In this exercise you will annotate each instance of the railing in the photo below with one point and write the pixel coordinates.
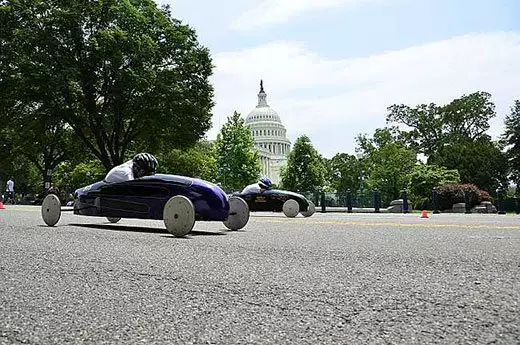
(361, 199)
(374, 203)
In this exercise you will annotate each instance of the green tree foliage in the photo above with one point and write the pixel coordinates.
(237, 161)
(433, 126)
(468, 117)
(480, 162)
(345, 172)
(41, 138)
(196, 161)
(387, 161)
(69, 176)
(7, 152)
(305, 170)
(25, 175)
(511, 140)
(44, 142)
(119, 73)
(424, 178)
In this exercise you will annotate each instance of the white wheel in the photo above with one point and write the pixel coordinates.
(179, 215)
(310, 210)
(238, 213)
(51, 210)
(114, 219)
(291, 208)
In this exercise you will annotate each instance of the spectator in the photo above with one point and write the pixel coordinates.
(10, 190)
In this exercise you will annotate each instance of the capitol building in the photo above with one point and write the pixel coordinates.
(270, 137)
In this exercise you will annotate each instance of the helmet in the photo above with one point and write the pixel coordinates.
(145, 163)
(53, 190)
(265, 182)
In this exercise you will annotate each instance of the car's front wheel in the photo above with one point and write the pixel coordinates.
(51, 210)
(179, 215)
(238, 213)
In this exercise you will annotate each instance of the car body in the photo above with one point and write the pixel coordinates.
(273, 200)
(146, 198)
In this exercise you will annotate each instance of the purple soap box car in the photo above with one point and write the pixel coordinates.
(177, 200)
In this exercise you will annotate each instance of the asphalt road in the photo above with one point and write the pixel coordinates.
(329, 279)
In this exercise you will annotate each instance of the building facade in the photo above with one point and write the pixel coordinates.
(270, 137)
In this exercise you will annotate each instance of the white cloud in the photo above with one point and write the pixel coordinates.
(278, 11)
(334, 100)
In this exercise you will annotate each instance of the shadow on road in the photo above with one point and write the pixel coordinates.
(112, 227)
(269, 215)
(196, 233)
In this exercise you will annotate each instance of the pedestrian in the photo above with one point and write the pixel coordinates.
(10, 190)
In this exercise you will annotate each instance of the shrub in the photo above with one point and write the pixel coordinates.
(422, 204)
(452, 193)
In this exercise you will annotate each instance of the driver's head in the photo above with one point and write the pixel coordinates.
(265, 183)
(145, 164)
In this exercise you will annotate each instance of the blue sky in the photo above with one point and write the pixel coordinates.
(331, 67)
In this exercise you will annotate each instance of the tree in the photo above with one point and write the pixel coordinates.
(391, 166)
(69, 176)
(426, 123)
(27, 178)
(345, 173)
(119, 73)
(237, 161)
(434, 126)
(387, 161)
(305, 170)
(424, 178)
(44, 141)
(480, 162)
(468, 117)
(196, 161)
(381, 137)
(7, 153)
(511, 140)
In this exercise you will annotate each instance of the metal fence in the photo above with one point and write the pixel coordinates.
(360, 199)
(374, 201)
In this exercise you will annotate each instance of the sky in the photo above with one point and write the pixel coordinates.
(331, 68)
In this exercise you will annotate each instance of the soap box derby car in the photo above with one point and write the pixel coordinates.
(276, 200)
(177, 200)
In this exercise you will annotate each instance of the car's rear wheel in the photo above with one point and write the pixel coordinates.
(179, 215)
(291, 208)
(238, 213)
(51, 210)
(310, 210)
(114, 219)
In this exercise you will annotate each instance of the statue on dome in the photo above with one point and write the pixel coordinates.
(261, 85)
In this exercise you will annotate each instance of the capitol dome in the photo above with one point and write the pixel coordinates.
(262, 112)
(270, 136)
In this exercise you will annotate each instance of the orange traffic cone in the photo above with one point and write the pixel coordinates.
(2, 206)
(424, 214)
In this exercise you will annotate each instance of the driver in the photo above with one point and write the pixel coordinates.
(261, 186)
(143, 164)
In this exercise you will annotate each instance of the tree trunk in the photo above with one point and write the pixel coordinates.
(47, 178)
